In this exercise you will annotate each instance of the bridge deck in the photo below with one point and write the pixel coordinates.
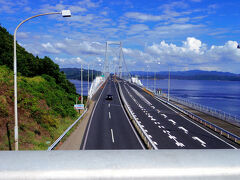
(166, 127)
(219, 122)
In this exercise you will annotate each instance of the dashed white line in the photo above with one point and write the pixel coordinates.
(109, 114)
(109, 105)
(112, 136)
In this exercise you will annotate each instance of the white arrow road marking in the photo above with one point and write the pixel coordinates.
(164, 115)
(185, 131)
(173, 122)
(112, 136)
(201, 141)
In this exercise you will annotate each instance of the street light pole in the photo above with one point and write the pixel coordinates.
(88, 79)
(168, 83)
(154, 81)
(65, 13)
(92, 75)
(81, 85)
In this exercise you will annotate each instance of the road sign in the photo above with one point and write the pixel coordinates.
(79, 106)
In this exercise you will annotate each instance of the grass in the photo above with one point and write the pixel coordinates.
(45, 110)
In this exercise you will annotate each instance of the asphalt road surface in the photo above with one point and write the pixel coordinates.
(109, 126)
(166, 127)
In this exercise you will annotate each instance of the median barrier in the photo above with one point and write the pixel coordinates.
(146, 139)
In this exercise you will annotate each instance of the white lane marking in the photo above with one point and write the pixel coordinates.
(172, 137)
(166, 132)
(86, 137)
(140, 142)
(201, 141)
(197, 125)
(153, 107)
(164, 115)
(155, 143)
(180, 144)
(150, 136)
(173, 122)
(112, 136)
(109, 114)
(109, 105)
(185, 131)
(160, 127)
(153, 119)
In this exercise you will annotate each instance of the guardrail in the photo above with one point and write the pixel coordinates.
(65, 132)
(208, 110)
(147, 140)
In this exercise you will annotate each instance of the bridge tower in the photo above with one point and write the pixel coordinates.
(120, 61)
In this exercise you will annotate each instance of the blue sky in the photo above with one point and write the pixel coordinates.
(182, 35)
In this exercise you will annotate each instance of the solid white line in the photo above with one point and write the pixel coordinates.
(197, 125)
(112, 136)
(140, 142)
(109, 114)
(85, 141)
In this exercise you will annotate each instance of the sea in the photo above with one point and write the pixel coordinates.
(221, 95)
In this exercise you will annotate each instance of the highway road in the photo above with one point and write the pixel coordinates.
(109, 126)
(166, 127)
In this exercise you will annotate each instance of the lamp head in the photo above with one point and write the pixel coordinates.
(66, 13)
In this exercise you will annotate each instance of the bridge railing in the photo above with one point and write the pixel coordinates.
(147, 140)
(208, 110)
(96, 84)
(125, 164)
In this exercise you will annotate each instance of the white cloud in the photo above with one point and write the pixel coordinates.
(194, 52)
(137, 28)
(49, 48)
(143, 17)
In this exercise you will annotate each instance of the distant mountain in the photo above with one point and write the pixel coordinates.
(190, 75)
(75, 73)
